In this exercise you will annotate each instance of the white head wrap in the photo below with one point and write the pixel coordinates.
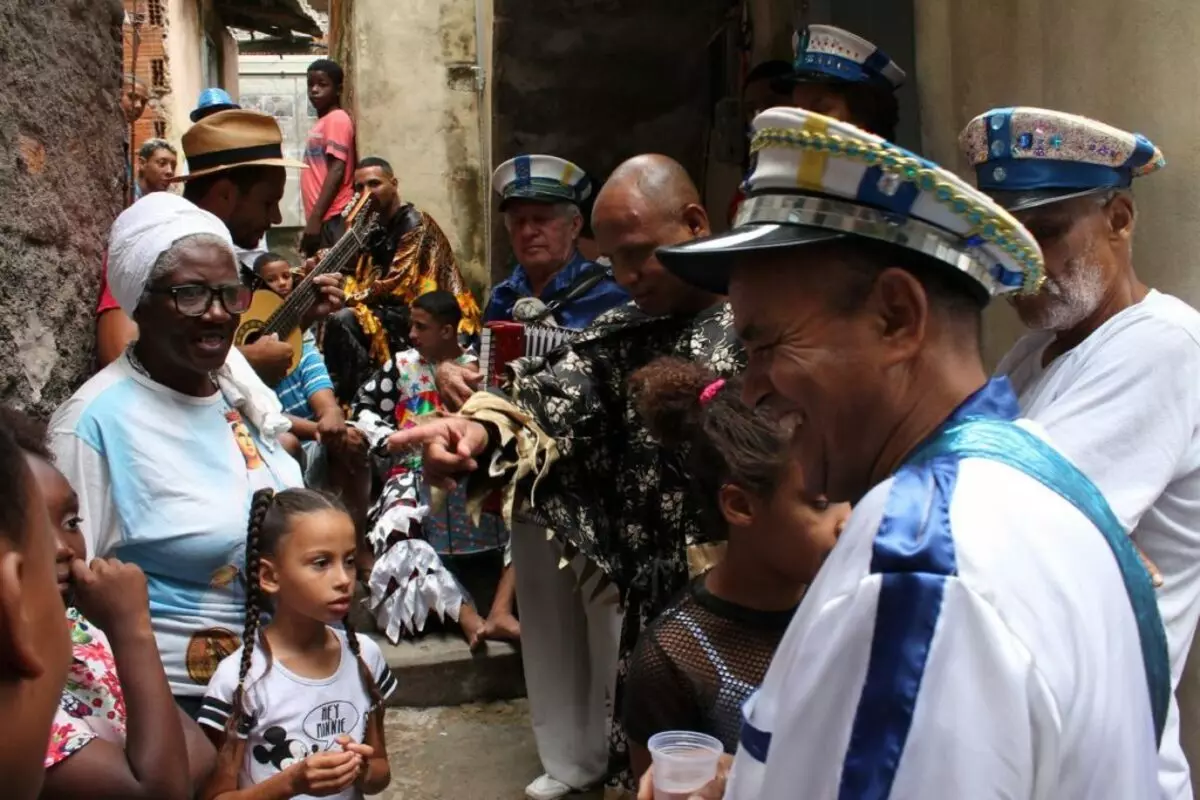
(145, 231)
(141, 234)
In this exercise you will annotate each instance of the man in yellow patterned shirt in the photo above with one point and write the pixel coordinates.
(405, 258)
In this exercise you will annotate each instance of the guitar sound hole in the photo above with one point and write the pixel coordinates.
(249, 333)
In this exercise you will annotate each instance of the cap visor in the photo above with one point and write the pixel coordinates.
(534, 196)
(706, 263)
(260, 162)
(1034, 198)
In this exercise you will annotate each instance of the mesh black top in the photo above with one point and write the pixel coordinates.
(697, 664)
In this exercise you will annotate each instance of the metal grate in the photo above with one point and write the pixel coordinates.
(154, 11)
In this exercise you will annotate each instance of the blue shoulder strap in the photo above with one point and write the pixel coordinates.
(1002, 441)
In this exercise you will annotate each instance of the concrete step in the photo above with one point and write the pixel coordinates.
(440, 670)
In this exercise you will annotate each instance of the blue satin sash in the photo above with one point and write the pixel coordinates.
(983, 428)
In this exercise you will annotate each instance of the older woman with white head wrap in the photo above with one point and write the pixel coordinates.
(166, 445)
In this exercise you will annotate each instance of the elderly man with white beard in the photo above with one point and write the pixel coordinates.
(1111, 367)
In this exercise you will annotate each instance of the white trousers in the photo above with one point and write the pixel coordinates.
(569, 650)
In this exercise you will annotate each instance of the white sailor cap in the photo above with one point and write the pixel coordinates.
(823, 52)
(546, 179)
(815, 179)
(1028, 157)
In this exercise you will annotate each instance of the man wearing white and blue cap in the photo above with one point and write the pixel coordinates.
(983, 627)
(1111, 367)
(842, 75)
(540, 199)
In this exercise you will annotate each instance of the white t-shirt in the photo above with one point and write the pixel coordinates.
(969, 636)
(294, 717)
(1124, 406)
(165, 482)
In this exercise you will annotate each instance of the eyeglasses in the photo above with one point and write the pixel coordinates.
(194, 299)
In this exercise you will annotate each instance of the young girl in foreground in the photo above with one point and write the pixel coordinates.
(298, 710)
(700, 660)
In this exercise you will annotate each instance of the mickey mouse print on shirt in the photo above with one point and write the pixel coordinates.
(292, 717)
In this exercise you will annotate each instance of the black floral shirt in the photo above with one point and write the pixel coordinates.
(614, 493)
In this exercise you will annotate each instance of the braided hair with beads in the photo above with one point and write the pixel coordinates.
(271, 515)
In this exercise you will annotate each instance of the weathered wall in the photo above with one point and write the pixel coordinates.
(417, 104)
(61, 167)
(598, 81)
(1115, 61)
(182, 44)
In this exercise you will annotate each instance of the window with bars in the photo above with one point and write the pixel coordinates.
(160, 129)
(158, 73)
(154, 10)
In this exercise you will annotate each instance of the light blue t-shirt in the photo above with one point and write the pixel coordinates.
(165, 481)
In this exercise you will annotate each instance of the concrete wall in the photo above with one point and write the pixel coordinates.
(417, 103)
(598, 81)
(1115, 61)
(182, 44)
(61, 162)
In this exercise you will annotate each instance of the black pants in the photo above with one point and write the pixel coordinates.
(348, 349)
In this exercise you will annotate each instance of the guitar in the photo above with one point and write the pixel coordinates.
(271, 314)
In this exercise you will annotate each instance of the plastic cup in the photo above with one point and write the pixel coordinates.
(684, 763)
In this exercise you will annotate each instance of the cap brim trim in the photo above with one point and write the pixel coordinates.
(1014, 201)
(538, 194)
(259, 162)
(706, 263)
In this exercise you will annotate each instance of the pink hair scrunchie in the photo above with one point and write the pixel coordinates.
(710, 391)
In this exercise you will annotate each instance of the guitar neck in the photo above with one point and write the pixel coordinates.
(287, 317)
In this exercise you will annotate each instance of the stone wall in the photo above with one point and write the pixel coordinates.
(598, 81)
(416, 102)
(61, 168)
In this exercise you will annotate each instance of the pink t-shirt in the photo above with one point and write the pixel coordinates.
(333, 135)
(107, 302)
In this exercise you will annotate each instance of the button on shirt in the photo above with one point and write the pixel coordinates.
(576, 314)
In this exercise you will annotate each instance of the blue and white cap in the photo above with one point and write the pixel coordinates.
(815, 179)
(1027, 157)
(545, 179)
(823, 52)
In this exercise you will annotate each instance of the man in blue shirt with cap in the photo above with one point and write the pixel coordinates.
(1111, 367)
(540, 199)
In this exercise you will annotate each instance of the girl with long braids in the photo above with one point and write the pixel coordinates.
(298, 710)
(699, 661)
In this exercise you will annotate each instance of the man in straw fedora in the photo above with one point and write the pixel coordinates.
(236, 170)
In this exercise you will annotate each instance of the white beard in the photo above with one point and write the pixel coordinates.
(1072, 298)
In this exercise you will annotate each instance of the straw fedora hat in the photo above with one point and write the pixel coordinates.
(234, 138)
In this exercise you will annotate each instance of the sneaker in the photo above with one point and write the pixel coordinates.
(547, 788)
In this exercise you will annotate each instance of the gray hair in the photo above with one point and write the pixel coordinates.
(151, 145)
(172, 258)
(568, 211)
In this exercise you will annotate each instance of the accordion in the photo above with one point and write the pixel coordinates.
(503, 342)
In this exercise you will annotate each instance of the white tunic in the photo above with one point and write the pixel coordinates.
(984, 651)
(1124, 406)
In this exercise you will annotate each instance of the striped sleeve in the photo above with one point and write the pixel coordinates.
(313, 373)
(373, 657)
(217, 706)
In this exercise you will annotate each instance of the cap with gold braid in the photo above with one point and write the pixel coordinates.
(234, 138)
(814, 179)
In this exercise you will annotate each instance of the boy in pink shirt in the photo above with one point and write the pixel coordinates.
(329, 154)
